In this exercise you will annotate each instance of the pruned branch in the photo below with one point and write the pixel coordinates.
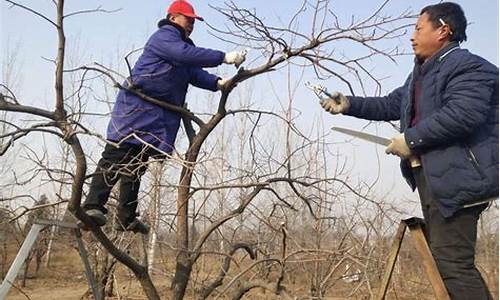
(37, 13)
(208, 290)
(7, 106)
(34, 208)
(131, 89)
(99, 9)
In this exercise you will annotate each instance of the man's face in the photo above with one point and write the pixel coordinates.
(187, 23)
(427, 39)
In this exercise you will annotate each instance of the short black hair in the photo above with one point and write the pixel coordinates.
(450, 13)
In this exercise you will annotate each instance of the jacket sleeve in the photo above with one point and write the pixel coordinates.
(202, 79)
(466, 107)
(387, 108)
(169, 46)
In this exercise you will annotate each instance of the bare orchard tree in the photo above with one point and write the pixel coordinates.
(278, 46)
(323, 46)
(63, 125)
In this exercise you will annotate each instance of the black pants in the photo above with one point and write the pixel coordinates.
(453, 245)
(127, 164)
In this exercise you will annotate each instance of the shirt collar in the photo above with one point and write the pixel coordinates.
(423, 68)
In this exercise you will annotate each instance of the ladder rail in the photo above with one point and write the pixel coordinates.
(28, 243)
(391, 261)
(415, 226)
(21, 256)
(428, 262)
(88, 270)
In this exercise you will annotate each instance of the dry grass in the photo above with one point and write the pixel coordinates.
(65, 279)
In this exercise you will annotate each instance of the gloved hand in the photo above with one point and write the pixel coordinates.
(235, 57)
(338, 104)
(399, 147)
(222, 83)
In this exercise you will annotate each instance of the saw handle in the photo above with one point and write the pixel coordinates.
(414, 161)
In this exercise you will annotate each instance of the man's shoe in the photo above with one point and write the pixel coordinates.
(96, 215)
(135, 226)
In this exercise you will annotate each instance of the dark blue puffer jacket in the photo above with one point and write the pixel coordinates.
(169, 63)
(457, 132)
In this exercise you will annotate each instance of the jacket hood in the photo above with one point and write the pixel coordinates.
(166, 22)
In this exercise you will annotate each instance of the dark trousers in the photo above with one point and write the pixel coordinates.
(127, 164)
(453, 245)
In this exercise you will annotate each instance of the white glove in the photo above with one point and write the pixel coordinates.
(399, 147)
(235, 57)
(338, 104)
(222, 83)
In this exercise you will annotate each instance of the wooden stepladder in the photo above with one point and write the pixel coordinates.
(416, 226)
(30, 239)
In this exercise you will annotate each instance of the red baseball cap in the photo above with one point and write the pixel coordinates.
(184, 8)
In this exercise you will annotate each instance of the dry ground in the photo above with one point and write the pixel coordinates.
(65, 280)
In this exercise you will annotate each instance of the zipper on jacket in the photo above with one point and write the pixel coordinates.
(407, 111)
(475, 163)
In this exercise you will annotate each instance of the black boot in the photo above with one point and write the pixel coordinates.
(96, 215)
(136, 226)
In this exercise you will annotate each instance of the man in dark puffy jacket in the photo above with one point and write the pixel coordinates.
(448, 112)
(169, 63)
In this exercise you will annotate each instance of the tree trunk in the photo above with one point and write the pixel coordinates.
(155, 214)
(49, 246)
(183, 267)
(147, 285)
(184, 264)
(25, 271)
(53, 229)
(183, 270)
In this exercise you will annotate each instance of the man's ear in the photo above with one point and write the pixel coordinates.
(444, 33)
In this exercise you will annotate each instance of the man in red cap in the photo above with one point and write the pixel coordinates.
(184, 8)
(169, 63)
(182, 13)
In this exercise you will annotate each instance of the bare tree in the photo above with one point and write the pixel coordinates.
(64, 126)
(268, 186)
(155, 213)
(277, 45)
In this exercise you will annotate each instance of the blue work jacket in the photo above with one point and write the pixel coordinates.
(456, 135)
(167, 65)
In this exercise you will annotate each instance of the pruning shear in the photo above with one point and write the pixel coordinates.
(320, 90)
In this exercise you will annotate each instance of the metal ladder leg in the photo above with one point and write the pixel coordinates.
(81, 250)
(88, 270)
(19, 260)
(25, 249)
